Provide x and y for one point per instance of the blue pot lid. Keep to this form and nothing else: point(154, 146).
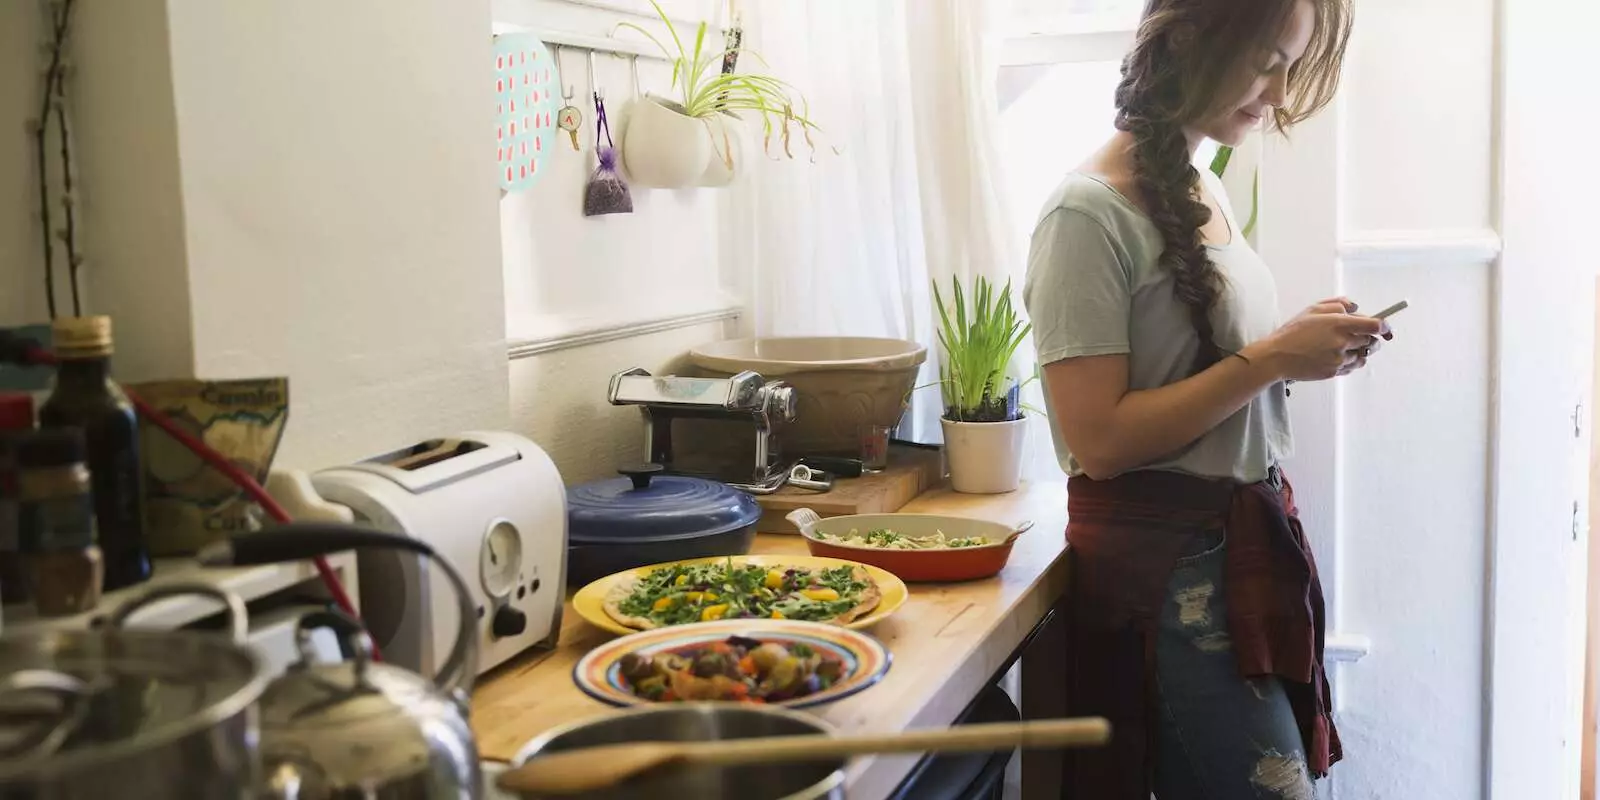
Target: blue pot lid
point(647, 506)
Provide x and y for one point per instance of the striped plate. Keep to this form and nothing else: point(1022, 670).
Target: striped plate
point(865, 659)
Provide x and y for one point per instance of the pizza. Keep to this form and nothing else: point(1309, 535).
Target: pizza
point(686, 593)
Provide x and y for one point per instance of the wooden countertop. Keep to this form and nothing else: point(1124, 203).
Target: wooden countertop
point(948, 641)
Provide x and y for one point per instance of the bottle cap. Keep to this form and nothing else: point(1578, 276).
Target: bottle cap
point(50, 448)
point(16, 412)
point(82, 337)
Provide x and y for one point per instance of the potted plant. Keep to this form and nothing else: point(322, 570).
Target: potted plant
point(985, 428)
point(694, 138)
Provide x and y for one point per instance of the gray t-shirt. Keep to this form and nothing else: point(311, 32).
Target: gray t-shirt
point(1094, 287)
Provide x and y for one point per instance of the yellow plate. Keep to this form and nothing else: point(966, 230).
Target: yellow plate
point(590, 601)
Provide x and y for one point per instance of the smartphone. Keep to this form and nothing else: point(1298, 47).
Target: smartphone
point(1392, 310)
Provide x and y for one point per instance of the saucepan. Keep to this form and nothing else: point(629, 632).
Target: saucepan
point(702, 722)
point(131, 714)
point(722, 752)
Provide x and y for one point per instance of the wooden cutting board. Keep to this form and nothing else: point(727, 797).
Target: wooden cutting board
point(911, 471)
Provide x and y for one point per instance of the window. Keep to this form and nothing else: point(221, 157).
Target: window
point(1047, 17)
point(1060, 68)
point(1059, 71)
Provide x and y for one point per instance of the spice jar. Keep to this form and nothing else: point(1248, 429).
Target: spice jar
point(57, 530)
point(16, 420)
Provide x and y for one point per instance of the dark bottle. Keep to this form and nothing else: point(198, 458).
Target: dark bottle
point(57, 531)
point(16, 421)
point(86, 399)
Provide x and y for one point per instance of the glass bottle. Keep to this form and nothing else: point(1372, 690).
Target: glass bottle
point(86, 399)
point(57, 532)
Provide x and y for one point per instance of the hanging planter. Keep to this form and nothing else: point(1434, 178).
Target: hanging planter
point(710, 104)
point(729, 148)
point(663, 147)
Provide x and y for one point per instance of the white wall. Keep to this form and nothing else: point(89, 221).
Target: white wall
point(1544, 328)
point(288, 187)
point(131, 222)
point(332, 220)
point(567, 272)
point(1418, 163)
point(341, 218)
point(21, 273)
point(134, 227)
point(589, 297)
point(1398, 180)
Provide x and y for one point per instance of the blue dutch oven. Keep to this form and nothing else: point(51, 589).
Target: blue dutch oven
point(648, 517)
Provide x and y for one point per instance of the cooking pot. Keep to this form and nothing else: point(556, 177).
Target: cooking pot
point(361, 729)
point(703, 722)
point(647, 518)
point(130, 714)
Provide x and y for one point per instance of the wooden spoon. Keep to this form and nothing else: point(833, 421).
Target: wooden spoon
point(602, 767)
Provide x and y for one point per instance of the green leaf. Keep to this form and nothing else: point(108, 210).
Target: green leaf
point(1255, 205)
point(979, 339)
point(697, 76)
point(1219, 163)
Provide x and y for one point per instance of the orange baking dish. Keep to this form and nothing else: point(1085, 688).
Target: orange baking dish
point(926, 566)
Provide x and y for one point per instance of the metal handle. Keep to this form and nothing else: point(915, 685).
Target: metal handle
point(58, 728)
point(782, 404)
point(1022, 527)
point(302, 540)
point(238, 615)
point(805, 519)
point(349, 630)
point(804, 477)
point(642, 474)
point(839, 467)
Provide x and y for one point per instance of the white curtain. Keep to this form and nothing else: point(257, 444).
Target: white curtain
point(848, 245)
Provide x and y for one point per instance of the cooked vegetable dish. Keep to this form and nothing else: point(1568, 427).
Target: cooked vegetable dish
point(739, 669)
point(687, 593)
point(886, 539)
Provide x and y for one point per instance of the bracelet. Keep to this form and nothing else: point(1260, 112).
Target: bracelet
point(1241, 357)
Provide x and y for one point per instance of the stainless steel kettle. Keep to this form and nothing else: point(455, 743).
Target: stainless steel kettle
point(362, 729)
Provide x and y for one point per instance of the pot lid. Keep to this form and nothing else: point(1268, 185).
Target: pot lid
point(74, 699)
point(648, 506)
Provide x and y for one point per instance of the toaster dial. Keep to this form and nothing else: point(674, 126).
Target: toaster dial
point(500, 559)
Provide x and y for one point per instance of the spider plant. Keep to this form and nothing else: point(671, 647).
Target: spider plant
point(979, 341)
point(706, 90)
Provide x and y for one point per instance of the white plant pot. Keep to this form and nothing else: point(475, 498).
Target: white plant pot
point(985, 457)
point(729, 150)
point(662, 148)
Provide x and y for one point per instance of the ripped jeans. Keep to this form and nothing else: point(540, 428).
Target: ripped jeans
point(1220, 736)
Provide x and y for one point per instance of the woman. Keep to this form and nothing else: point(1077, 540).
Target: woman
point(1196, 615)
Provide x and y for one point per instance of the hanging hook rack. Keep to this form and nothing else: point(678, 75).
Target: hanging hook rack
point(617, 8)
point(594, 82)
point(601, 44)
point(567, 90)
point(633, 62)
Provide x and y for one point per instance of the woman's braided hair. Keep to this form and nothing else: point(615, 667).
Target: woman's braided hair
point(1188, 57)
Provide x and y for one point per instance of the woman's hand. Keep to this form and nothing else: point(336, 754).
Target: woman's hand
point(1325, 341)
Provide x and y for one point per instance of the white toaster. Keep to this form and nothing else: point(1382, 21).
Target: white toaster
point(493, 504)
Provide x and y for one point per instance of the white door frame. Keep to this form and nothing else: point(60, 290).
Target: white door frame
point(1543, 357)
